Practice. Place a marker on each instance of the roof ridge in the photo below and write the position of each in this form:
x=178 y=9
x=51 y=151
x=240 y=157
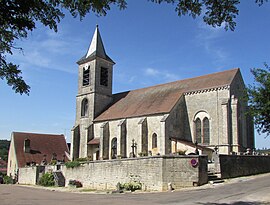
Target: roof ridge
x=34 y=133
x=177 y=81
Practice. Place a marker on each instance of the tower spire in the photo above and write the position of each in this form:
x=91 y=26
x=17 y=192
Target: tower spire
x=96 y=48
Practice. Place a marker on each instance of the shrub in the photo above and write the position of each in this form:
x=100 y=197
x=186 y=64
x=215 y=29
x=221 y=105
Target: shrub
x=47 y=180
x=72 y=164
x=143 y=154
x=131 y=186
x=82 y=159
x=53 y=162
x=181 y=152
x=75 y=183
x=8 y=180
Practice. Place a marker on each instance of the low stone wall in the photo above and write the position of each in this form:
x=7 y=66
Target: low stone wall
x=243 y=165
x=153 y=172
x=27 y=175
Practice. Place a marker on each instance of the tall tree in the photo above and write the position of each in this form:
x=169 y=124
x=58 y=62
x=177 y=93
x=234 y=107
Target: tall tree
x=4 y=146
x=259 y=99
x=18 y=17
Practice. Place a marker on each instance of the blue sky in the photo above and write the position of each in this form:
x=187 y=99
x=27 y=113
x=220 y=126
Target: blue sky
x=150 y=45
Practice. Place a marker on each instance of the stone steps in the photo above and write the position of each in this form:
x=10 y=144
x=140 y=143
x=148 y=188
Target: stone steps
x=59 y=179
x=214 y=178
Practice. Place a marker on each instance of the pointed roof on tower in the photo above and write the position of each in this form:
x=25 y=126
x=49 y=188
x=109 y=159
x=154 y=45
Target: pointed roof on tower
x=96 y=49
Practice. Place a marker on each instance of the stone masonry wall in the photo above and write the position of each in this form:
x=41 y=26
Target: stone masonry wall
x=181 y=173
x=27 y=175
x=243 y=165
x=153 y=172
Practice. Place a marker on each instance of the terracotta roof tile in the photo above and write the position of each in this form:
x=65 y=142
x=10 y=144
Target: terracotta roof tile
x=161 y=98
x=94 y=141
x=191 y=144
x=40 y=144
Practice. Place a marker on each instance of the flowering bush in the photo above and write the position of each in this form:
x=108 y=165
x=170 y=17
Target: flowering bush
x=132 y=186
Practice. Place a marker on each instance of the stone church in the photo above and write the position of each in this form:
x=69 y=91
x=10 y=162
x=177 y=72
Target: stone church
x=208 y=111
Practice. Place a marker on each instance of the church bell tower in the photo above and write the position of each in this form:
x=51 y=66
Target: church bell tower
x=94 y=94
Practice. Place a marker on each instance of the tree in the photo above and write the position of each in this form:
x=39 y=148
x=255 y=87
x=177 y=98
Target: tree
x=18 y=17
x=4 y=147
x=259 y=99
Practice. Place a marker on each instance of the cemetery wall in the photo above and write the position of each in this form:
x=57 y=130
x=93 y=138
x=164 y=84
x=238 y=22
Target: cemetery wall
x=153 y=172
x=243 y=165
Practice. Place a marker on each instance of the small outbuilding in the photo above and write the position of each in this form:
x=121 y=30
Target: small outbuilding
x=29 y=149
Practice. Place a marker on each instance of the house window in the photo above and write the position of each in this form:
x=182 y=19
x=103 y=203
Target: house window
x=206 y=131
x=86 y=76
x=198 y=130
x=114 y=147
x=104 y=76
x=154 y=141
x=84 y=107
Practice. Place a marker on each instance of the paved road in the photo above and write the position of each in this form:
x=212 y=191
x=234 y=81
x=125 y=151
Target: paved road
x=242 y=191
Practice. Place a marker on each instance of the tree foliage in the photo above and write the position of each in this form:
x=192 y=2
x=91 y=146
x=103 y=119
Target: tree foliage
x=4 y=147
x=259 y=99
x=19 y=17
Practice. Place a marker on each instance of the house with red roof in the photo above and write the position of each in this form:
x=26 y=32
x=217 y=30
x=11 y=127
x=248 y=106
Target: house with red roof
x=208 y=110
x=28 y=149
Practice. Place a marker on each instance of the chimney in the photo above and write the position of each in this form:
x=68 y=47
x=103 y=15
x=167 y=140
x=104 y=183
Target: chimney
x=27 y=146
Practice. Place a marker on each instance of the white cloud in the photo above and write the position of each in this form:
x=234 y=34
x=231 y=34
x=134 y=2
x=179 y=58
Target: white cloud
x=152 y=72
x=49 y=50
x=161 y=75
x=208 y=38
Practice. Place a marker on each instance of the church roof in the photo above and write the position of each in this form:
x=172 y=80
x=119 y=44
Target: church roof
x=162 y=98
x=96 y=49
x=40 y=145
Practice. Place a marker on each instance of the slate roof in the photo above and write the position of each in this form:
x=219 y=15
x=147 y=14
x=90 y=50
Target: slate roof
x=161 y=99
x=96 y=49
x=40 y=144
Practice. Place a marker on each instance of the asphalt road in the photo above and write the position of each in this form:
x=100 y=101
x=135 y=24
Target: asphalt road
x=242 y=191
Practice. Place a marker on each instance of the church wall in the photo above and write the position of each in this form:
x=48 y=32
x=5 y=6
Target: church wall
x=154 y=126
x=134 y=130
x=245 y=133
x=114 y=132
x=211 y=103
x=177 y=123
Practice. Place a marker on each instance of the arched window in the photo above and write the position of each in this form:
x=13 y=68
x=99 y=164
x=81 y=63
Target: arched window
x=206 y=132
x=198 y=130
x=84 y=107
x=114 y=147
x=154 y=141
